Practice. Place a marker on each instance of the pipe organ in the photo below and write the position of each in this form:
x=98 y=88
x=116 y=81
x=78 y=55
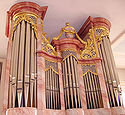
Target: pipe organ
x=23 y=67
x=92 y=87
x=23 y=34
x=71 y=75
x=52 y=86
x=70 y=81
x=103 y=47
x=109 y=69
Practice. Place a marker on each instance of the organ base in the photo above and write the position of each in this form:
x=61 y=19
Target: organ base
x=33 y=111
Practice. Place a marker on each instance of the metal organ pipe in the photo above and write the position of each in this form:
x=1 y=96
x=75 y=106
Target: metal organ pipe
x=56 y=93
x=105 y=74
x=109 y=69
x=12 y=77
x=92 y=90
x=67 y=85
x=32 y=69
x=27 y=65
x=77 y=83
x=23 y=64
x=110 y=81
x=52 y=89
x=89 y=89
x=64 y=84
x=70 y=82
x=16 y=57
x=116 y=80
x=74 y=83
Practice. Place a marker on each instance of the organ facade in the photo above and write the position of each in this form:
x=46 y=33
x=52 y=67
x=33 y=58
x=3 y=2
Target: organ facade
x=71 y=75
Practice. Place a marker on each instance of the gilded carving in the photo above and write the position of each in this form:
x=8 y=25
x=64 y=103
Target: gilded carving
x=29 y=18
x=90 y=47
x=51 y=65
x=70 y=32
x=89 y=67
x=101 y=33
x=46 y=46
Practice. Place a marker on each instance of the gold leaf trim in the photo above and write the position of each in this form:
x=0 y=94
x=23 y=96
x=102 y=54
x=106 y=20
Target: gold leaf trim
x=45 y=44
x=105 y=32
x=68 y=56
x=90 y=50
x=90 y=72
x=25 y=16
x=73 y=31
x=50 y=67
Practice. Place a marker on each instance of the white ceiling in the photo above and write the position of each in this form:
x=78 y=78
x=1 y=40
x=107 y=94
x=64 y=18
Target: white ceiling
x=75 y=12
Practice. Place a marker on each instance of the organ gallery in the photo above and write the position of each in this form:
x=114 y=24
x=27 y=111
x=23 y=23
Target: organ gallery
x=74 y=73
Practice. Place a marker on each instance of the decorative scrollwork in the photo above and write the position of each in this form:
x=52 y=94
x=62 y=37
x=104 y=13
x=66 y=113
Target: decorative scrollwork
x=69 y=32
x=90 y=48
x=45 y=44
x=101 y=33
x=29 y=18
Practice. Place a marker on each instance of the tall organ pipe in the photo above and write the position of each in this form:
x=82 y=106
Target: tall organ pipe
x=23 y=67
x=32 y=62
x=70 y=82
x=105 y=74
x=115 y=75
x=64 y=83
x=110 y=80
x=77 y=83
x=11 y=70
x=27 y=65
x=67 y=85
x=35 y=71
x=74 y=83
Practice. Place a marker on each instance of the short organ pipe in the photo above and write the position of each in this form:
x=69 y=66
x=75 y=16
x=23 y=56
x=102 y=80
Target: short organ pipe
x=92 y=90
x=52 y=89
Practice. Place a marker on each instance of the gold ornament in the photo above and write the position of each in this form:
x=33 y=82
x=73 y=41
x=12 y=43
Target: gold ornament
x=69 y=30
x=90 y=50
x=45 y=44
x=29 y=18
x=100 y=33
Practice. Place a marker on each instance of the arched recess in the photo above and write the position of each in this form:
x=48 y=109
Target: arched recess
x=92 y=90
x=52 y=89
x=70 y=82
